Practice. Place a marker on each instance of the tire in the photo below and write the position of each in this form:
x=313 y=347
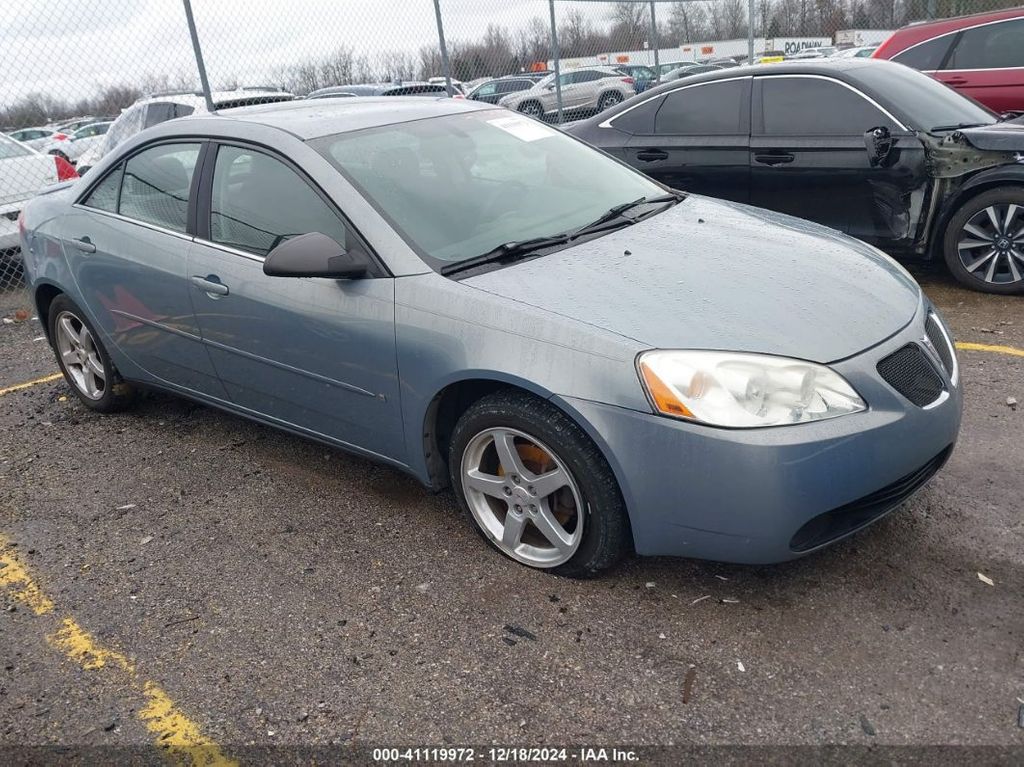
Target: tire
x=993 y=259
x=532 y=109
x=609 y=100
x=554 y=453
x=83 y=359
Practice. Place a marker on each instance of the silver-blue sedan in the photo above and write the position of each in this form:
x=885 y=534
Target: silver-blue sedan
x=593 y=362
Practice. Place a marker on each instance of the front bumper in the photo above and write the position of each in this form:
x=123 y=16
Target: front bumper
x=764 y=495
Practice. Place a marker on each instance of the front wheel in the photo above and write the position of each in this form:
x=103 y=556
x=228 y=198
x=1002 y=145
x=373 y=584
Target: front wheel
x=536 y=487
x=83 y=360
x=532 y=109
x=609 y=100
x=984 y=242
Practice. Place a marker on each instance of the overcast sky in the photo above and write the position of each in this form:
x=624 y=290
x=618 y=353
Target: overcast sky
x=73 y=47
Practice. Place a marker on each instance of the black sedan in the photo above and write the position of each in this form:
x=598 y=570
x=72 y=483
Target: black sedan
x=872 y=148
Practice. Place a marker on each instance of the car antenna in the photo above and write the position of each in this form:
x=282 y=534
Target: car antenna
x=203 y=80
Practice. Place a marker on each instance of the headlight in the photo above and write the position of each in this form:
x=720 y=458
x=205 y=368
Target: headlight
x=744 y=390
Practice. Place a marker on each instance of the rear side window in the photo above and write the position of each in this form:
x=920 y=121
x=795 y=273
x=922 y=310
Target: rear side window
x=993 y=46
x=808 y=106
x=156 y=185
x=715 y=109
x=104 y=194
x=926 y=57
x=259 y=202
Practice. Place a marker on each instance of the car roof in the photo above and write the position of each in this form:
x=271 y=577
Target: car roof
x=313 y=118
x=957 y=22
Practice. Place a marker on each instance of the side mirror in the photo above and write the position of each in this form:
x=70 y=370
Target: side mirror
x=316 y=255
x=878 y=142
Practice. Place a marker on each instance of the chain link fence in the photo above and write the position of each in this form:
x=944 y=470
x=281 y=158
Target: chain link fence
x=83 y=75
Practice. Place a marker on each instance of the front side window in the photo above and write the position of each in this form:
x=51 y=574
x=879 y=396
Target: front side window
x=259 y=202
x=926 y=57
x=104 y=194
x=809 y=106
x=460 y=185
x=993 y=46
x=487 y=89
x=715 y=109
x=156 y=185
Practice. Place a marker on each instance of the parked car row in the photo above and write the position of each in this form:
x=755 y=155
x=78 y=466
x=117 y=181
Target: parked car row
x=24 y=171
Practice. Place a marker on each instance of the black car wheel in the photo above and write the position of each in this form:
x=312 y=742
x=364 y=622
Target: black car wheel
x=609 y=100
x=532 y=109
x=536 y=487
x=984 y=242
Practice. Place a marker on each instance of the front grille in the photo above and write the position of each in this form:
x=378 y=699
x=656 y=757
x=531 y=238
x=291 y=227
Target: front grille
x=909 y=372
x=942 y=345
x=839 y=522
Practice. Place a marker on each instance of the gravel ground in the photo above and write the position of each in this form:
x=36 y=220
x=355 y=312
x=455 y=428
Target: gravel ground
x=283 y=592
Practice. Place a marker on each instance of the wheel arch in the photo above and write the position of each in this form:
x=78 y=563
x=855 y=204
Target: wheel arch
x=1007 y=175
x=44 y=294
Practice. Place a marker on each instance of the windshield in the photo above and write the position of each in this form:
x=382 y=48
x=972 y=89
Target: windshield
x=925 y=102
x=461 y=185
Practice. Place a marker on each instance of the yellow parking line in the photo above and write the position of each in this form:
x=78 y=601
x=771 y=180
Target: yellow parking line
x=970 y=347
x=177 y=735
x=34 y=382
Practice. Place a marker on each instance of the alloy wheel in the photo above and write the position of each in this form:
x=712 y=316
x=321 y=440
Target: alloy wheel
x=531 y=109
x=523 y=497
x=609 y=100
x=991 y=244
x=78 y=352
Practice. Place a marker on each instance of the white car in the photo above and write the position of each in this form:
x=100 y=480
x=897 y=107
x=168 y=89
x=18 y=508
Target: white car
x=152 y=110
x=43 y=139
x=23 y=172
x=85 y=139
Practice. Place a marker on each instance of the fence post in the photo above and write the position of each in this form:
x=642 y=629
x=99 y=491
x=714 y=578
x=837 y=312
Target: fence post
x=555 y=55
x=445 y=68
x=654 y=42
x=750 y=32
x=199 y=57
x=931 y=9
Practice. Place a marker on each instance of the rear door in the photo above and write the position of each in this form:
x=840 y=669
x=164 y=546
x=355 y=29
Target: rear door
x=698 y=139
x=127 y=244
x=317 y=354
x=987 y=64
x=808 y=157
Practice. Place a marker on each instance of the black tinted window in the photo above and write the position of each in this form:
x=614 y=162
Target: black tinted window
x=258 y=202
x=993 y=46
x=715 y=109
x=104 y=194
x=808 y=106
x=926 y=56
x=156 y=185
x=158 y=113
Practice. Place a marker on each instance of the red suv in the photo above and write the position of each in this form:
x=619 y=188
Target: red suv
x=982 y=56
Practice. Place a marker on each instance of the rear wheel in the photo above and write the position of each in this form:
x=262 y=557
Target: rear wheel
x=532 y=109
x=609 y=100
x=83 y=360
x=536 y=487
x=984 y=242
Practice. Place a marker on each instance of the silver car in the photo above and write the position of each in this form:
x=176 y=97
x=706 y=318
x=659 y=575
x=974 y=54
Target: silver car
x=593 y=362
x=584 y=91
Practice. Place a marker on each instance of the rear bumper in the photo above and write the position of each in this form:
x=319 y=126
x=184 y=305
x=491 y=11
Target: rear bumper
x=767 y=495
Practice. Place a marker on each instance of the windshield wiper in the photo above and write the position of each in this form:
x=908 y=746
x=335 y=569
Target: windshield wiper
x=507 y=251
x=615 y=213
x=958 y=126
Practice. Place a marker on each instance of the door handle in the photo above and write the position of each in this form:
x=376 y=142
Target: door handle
x=84 y=244
x=650 y=155
x=211 y=285
x=774 y=158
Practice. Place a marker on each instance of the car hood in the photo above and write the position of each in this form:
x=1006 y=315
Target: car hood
x=709 y=274
x=1005 y=136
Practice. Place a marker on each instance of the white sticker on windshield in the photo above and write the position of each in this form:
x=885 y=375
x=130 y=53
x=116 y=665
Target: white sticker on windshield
x=523 y=128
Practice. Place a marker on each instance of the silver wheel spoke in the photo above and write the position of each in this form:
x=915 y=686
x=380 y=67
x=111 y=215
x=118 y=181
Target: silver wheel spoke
x=94 y=366
x=992 y=268
x=1011 y=211
x=546 y=484
x=968 y=244
x=486 y=484
x=993 y=216
x=505 y=444
x=69 y=330
x=1014 y=272
x=513 y=531
x=551 y=528
x=981 y=235
x=981 y=261
x=70 y=357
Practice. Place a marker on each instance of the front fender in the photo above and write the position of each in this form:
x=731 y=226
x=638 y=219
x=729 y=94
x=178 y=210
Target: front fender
x=1004 y=175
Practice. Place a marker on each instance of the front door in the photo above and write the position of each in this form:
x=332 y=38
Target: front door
x=808 y=158
x=699 y=140
x=317 y=354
